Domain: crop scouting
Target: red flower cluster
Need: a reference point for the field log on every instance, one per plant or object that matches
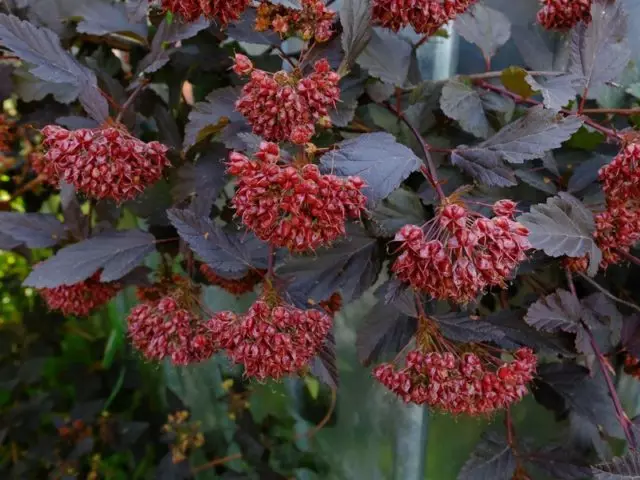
(425, 16)
(283, 106)
(80, 298)
(461, 252)
(618, 226)
(315, 20)
(465, 384)
(162, 328)
(237, 286)
(621, 178)
(102, 162)
(272, 339)
(293, 207)
(564, 14)
(223, 11)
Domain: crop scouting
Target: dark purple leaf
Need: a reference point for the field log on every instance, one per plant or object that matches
(211, 116)
(483, 166)
(586, 396)
(377, 158)
(204, 179)
(485, 27)
(116, 253)
(556, 91)
(35, 230)
(563, 226)
(600, 51)
(8, 243)
(586, 173)
(400, 208)
(6, 81)
(463, 103)
(531, 136)
(492, 459)
(460, 327)
(387, 57)
(324, 365)
(222, 251)
(40, 47)
(104, 17)
(349, 267)
(355, 17)
(385, 331)
(74, 220)
(559, 311)
(559, 463)
(168, 33)
(630, 337)
(626, 467)
(244, 31)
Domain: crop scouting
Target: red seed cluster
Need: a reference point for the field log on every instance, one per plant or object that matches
(617, 228)
(631, 365)
(237, 286)
(223, 11)
(162, 328)
(466, 384)
(621, 178)
(425, 16)
(460, 252)
(102, 162)
(564, 14)
(289, 206)
(315, 20)
(272, 339)
(284, 106)
(80, 298)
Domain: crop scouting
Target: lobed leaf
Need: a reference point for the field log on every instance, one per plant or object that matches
(387, 57)
(462, 103)
(377, 158)
(485, 27)
(556, 91)
(626, 467)
(212, 115)
(40, 47)
(563, 226)
(349, 267)
(116, 253)
(599, 52)
(559, 311)
(35, 230)
(222, 251)
(492, 458)
(355, 17)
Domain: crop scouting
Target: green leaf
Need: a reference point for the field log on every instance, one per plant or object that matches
(585, 139)
(514, 78)
(313, 386)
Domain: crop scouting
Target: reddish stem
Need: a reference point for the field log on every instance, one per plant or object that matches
(430, 171)
(625, 423)
(529, 101)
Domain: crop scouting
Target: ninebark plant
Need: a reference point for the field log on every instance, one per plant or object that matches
(493, 215)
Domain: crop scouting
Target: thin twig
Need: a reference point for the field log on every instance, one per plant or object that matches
(607, 293)
(612, 111)
(431, 171)
(627, 256)
(215, 462)
(529, 101)
(136, 91)
(625, 423)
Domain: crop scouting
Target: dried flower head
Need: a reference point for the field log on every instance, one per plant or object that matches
(273, 339)
(222, 11)
(460, 252)
(564, 14)
(314, 20)
(285, 106)
(290, 206)
(80, 298)
(102, 162)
